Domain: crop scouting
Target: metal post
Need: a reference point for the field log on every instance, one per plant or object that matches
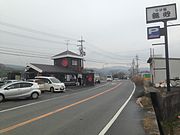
(81, 47)
(167, 57)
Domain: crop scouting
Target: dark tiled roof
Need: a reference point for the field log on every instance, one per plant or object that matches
(67, 53)
(52, 68)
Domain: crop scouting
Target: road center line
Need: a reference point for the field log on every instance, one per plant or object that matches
(55, 111)
(105, 129)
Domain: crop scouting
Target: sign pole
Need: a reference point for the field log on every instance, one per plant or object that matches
(167, 56)
(162, 13)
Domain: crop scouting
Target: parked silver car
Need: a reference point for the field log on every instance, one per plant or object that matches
(20, 89)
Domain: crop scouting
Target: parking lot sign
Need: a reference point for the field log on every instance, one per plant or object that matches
(163, 13)
(153, 32)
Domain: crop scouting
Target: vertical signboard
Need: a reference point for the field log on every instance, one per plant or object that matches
(161, 13)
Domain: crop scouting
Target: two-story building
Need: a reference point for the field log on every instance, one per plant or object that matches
(68, 67)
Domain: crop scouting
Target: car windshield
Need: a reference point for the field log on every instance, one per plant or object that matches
(54, 80)
(108, 76)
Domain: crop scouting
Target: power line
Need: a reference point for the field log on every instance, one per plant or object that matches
(35, 31)
(15, 50)
(96, 61)
(34, 38)
(51, 41)
(57, 42)
(57, 36)
(97, 48)
(27, 45)
(14, 53)
(22, 50)
(35, 51)
(113, 55)
(24, 55)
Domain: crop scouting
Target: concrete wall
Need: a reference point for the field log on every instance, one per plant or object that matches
(159, 75)
(166, 105)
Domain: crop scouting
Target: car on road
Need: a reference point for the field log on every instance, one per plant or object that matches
(109, 78)
(116, 79)
(52, 84)
(20, 89)
(97, 78)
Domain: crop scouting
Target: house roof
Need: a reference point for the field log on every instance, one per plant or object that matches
(160, 58)
(42, 68)
(67, 54)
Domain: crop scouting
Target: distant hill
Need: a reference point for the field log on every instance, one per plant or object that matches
(111, 70)
(2, 66)
(4, 69)
(15, 67)
(116, 69)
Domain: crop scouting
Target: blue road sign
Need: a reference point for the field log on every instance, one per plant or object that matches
(154, 32)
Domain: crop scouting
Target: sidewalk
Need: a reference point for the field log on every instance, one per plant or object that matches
(130, 121)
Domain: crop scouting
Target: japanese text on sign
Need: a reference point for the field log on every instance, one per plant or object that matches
(161, 13)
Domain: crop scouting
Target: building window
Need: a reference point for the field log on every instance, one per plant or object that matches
(74, 62)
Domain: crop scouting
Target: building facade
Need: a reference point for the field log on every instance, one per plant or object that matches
(68, 67)
(158, 69)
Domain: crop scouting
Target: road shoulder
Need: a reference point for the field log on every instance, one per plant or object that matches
(130, 121)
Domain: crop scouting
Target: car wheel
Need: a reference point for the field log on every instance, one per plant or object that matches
(34, 95)
(1, 98)
(52, 89)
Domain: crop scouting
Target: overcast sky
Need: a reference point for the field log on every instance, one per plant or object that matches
(114, 30)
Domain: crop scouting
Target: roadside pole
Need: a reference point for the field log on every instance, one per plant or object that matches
(162, 13)
(167, 57)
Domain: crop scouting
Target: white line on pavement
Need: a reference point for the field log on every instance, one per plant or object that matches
(22, 106)
(105, 129)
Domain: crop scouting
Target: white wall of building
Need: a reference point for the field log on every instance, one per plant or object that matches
(159, 74)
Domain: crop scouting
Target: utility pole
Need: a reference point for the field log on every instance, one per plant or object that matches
(81, 49)
(137, 64)
(133, 64)
(67, 44)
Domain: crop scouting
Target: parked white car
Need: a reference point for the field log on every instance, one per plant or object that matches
(20, 89)
(40, 82)
(52, 84)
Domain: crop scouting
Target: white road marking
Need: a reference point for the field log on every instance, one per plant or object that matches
(105, 129)
(22, 106)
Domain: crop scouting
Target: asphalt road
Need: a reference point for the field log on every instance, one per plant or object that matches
(77, 112)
